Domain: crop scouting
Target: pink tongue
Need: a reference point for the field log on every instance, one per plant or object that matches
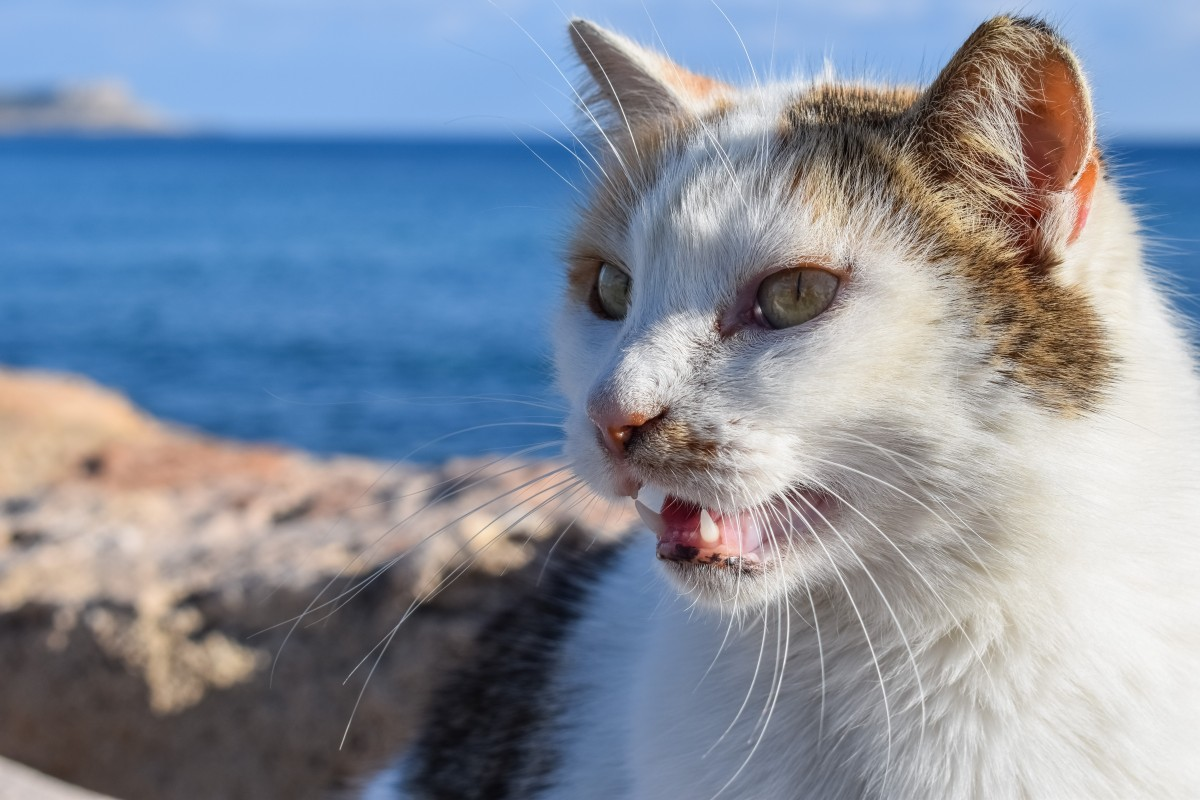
(737, 535)
(681, 523)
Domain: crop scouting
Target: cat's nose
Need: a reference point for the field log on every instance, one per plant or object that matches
(618, 427)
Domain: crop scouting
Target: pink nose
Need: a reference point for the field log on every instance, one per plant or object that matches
(618, 427)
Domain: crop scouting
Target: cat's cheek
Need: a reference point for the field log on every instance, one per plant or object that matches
(579, 338)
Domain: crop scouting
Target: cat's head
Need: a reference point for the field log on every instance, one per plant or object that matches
(801, 316)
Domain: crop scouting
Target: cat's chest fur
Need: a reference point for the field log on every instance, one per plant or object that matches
(915, 437)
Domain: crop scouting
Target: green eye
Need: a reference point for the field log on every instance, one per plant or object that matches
(612, 292)
(794, 296)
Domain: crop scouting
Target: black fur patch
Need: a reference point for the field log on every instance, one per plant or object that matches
(491, 729)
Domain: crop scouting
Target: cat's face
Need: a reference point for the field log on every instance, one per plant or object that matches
(775, 335)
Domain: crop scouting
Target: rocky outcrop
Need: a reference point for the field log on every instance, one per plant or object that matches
(19, 782)
(182, 617)
(102, 107)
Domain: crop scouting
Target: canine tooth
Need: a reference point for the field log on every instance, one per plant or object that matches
(653, 519)
(709, 531)
(652, 498)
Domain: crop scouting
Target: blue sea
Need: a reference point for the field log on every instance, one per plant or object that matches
(383, 298)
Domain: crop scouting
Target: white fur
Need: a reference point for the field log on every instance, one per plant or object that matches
(1009, 605)
(1035, 616)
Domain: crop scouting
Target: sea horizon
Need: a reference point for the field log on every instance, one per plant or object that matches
(363, 294)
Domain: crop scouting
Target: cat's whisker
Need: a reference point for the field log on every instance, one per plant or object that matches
(581, 102)
(616, 96)
(725, 638)
(456, 480)
(423, 596)
(916, 571)
(896, 456)
(742, 42)
(359, 584)
(820, 657)
(782, 633)
(347, 595)
(951, 528)
(549, 166)
(749, 690)
(589, 502)
(565, 508)
(383, 645)
(912, 658)
(815, 535)
(296, 621)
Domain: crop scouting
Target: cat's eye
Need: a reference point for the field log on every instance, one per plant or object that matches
(611, 298)
(791, 297)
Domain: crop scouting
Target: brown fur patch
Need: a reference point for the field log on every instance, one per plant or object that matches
(841, 105)
(964, 188)
(671, 447)
(852, 145)
(494, 727)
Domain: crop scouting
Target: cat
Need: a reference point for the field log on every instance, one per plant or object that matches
(915, 433)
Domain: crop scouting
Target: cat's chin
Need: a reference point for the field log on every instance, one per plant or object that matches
(696, 541)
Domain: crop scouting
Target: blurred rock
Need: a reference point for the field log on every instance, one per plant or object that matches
(104, 107)
(152, 584)
(21, 783)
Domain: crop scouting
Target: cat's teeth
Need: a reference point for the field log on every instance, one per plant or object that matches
(652, 498)
(709, 530)
(653, 519)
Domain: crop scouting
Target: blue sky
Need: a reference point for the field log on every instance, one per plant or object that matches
(460, 67)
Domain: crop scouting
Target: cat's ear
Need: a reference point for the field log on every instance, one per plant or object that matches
(1007, 126)
(633, 84)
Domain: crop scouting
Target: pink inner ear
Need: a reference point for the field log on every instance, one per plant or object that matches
(1083, 197)
(1055, 126)
(695, 88)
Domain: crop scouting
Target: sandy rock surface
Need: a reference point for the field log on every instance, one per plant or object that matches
(149, 578)
(18, 782)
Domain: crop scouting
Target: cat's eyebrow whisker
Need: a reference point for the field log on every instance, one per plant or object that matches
(548, 166)
(611, 87)
(704, 127)
(591, 169)
(742, 42)
(582, 103)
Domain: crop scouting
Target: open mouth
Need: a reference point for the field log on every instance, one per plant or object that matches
(746, 539)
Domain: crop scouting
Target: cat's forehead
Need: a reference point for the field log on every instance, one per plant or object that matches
(750, 183)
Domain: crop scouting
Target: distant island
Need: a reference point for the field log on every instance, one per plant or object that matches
(100, 107)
